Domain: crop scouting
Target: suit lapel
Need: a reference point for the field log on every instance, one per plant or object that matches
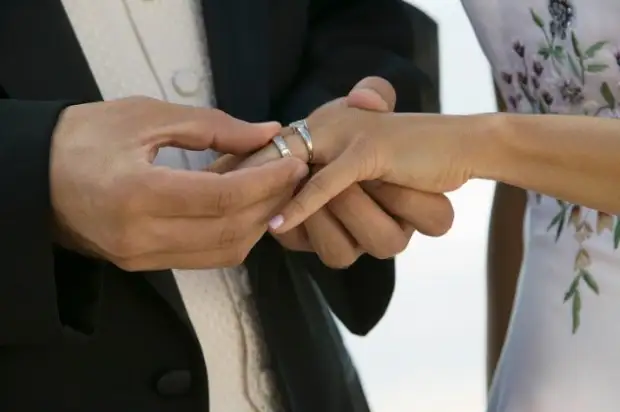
(42, 60)
(238, 50)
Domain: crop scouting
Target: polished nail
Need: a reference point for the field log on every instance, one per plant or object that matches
(276, 222)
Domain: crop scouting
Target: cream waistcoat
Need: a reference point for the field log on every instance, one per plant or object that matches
(158, 49)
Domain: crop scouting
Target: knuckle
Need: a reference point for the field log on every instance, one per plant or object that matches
(338, 263)
(440, 222)
(296, 207)
(438, 228)
(340, 260)
(317, 184)
(229, 237)
(218, 115)
(400, 245)
(390, 247)
(130, 265)
(380, 252)
(218, 122)
(225, 200)
(236, 256)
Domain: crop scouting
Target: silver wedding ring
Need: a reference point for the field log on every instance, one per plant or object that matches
(301, 128)
(282, 147)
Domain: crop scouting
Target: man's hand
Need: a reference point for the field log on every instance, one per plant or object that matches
(110, 200)
(371, 217)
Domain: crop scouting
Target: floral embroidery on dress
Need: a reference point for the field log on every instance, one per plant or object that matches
(566, 65)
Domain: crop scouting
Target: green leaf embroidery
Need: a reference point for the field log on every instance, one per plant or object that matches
(572, 289)
(555, 220)
(542, 107)
(589, 279)
(558, 53)
(617, 233)
(573, 66)
(592, 50)
(608, 95)
(558, 233)
(575, 44)
(544, 52)
(559, 219)
(596, 68)
(536, 18)
(576, 309)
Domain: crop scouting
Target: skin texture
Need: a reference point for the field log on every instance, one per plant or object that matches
(369, 217)
(150, 217)
(439, 153)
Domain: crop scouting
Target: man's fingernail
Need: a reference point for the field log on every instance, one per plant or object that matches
(276, 222)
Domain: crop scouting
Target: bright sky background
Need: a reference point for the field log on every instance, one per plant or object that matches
(428, 354)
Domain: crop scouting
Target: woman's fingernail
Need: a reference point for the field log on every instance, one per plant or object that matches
(276, 222)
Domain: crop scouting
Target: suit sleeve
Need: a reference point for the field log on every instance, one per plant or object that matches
(350, 40)
(46, 293)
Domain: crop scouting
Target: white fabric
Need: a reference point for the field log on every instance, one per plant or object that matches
(158, 49)
(562, 353)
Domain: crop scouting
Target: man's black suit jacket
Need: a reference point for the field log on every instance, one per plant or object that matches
(81, 335)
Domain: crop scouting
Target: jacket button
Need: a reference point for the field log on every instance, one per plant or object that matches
(174, 383)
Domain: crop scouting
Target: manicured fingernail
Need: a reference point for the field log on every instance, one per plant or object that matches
(276, 222)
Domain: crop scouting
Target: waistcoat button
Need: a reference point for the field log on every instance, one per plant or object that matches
(185, 82)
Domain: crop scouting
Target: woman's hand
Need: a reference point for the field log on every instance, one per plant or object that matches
(374, 218)
(361, 219)
(427, 153)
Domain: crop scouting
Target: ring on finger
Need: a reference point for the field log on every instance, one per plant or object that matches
(282, 146)
(301, 128)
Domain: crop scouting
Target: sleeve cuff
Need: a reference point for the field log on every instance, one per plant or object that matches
(36, 301)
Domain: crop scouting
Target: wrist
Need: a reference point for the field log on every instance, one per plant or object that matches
(487, 155)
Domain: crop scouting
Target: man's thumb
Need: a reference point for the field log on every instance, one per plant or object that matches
(373, 93)
(219, 131)
(242, 138)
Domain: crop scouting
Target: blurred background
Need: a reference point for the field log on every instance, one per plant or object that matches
(428, 353)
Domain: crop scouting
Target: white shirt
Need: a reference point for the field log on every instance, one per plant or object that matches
(158, 49)
(562, 352)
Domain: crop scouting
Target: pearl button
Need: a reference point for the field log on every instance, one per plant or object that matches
(185, 82)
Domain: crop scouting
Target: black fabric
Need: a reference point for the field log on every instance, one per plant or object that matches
(130, 363)
(77, 334)
(27, 260)
(305, 344)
